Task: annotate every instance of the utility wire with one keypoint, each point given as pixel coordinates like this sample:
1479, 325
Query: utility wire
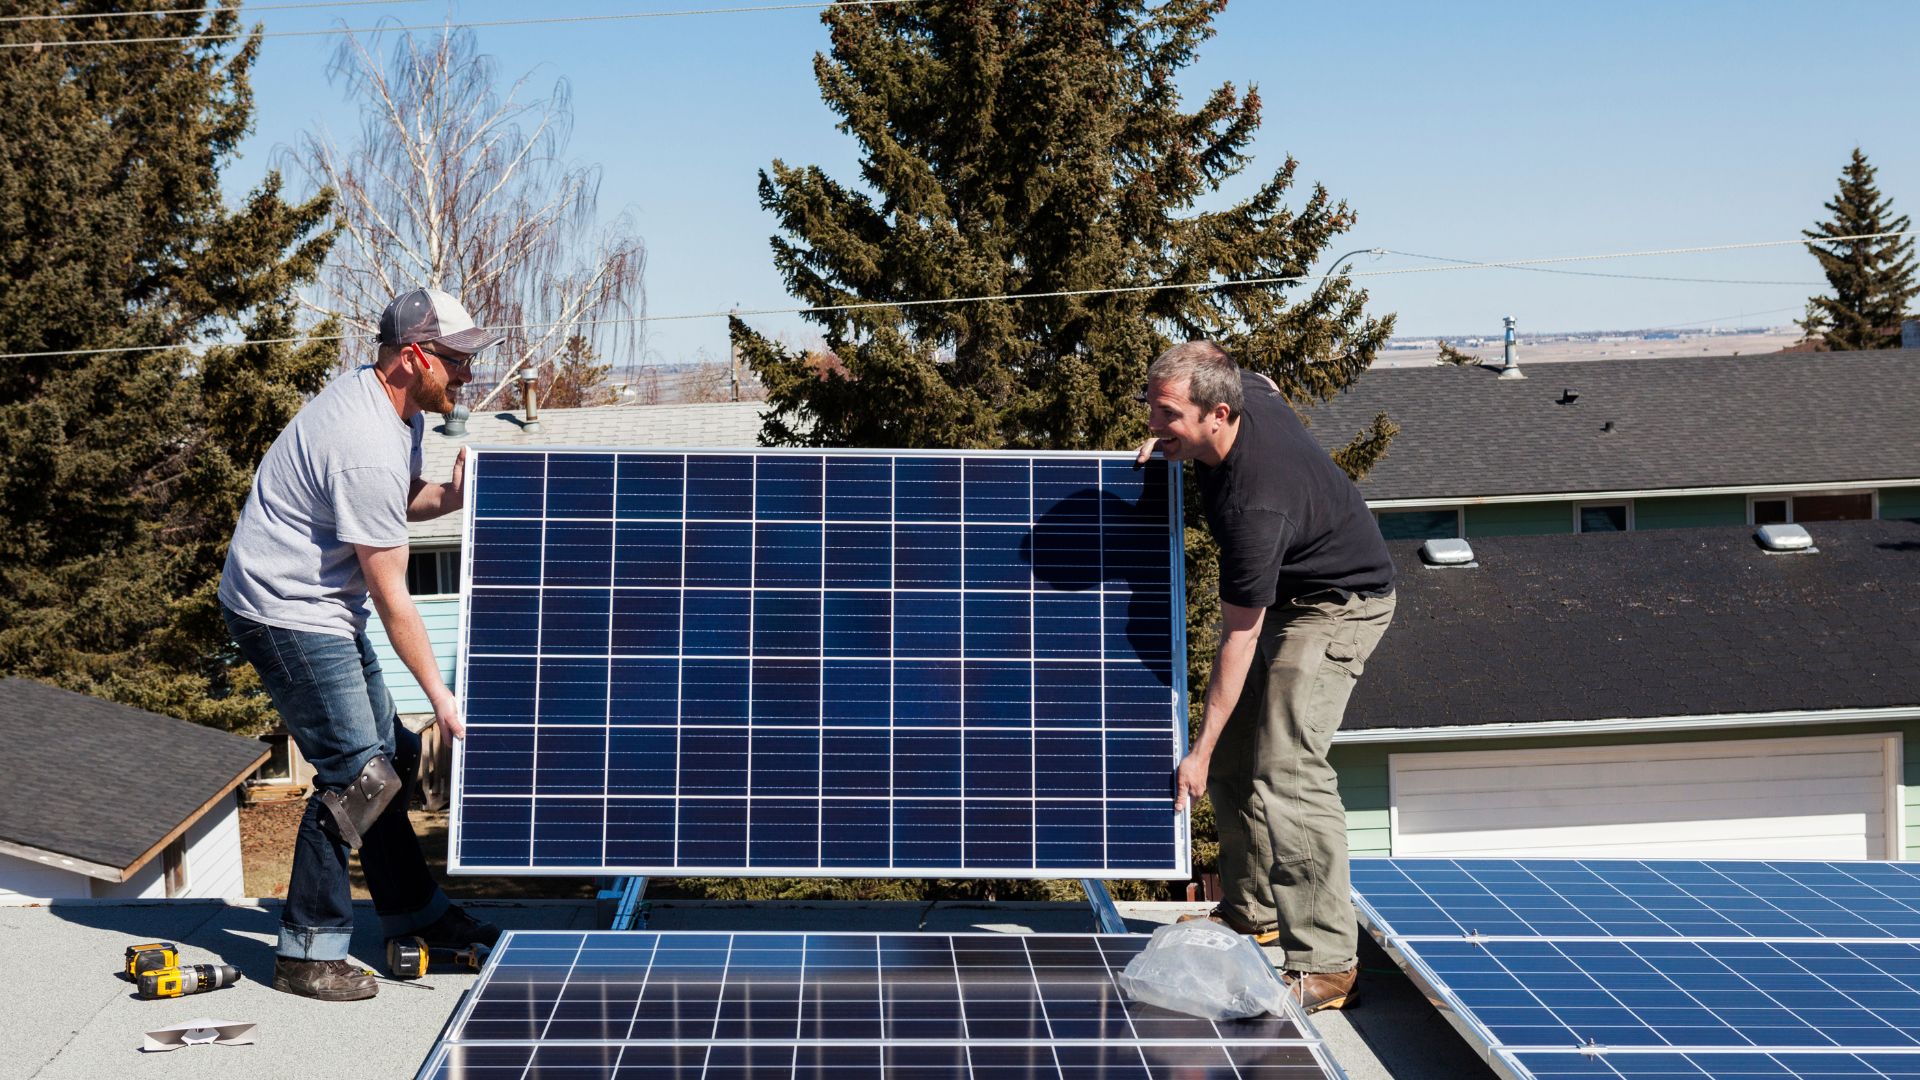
551, 20
72, 15
1599, 274
1196, 286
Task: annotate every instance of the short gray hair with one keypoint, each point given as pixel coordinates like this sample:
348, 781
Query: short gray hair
1212, 376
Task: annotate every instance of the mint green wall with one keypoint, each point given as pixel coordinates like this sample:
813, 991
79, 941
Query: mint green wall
1363, 769
442, 617
1900, 502
1520, 519
1689, 511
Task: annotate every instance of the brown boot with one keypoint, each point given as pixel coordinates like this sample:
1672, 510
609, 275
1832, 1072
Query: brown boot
326, 980
1316, 990
1219, 915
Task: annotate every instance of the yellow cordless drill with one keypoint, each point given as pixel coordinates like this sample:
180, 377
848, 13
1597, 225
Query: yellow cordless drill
408, 957
175, 982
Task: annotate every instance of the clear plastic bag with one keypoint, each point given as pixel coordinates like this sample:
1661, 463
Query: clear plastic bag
1203, 969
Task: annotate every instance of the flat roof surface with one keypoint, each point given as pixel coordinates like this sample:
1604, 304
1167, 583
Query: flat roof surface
70, 1015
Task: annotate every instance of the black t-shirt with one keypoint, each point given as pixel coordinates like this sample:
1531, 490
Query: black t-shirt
1288, 521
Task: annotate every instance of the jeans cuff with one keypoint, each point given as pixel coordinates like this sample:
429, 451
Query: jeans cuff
313, 942
394, 926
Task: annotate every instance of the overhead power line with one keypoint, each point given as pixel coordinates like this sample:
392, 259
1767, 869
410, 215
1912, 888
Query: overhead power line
1623, 277
70, 16
626, 16
1195, 286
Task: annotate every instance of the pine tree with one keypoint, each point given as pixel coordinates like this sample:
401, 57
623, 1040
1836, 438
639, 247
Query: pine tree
1872, 280
1040, 147
121, 473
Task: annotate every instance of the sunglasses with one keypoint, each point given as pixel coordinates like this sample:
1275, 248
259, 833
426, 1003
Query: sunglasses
463, 363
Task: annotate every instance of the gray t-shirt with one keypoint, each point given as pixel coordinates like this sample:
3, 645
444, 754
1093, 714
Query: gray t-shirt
339, 475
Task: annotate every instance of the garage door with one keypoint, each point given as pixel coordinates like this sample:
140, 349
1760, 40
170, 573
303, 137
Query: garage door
1829, 797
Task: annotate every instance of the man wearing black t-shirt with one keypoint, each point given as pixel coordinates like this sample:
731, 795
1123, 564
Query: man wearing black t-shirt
1306, 591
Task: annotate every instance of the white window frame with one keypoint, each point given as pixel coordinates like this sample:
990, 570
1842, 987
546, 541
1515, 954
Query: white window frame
1459, 516
1628, 503
1872, 494
441, 570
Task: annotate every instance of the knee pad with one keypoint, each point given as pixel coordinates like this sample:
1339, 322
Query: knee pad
358, 805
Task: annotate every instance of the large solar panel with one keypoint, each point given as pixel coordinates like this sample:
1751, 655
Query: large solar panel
1671, 968
807, 663
1626, 897
841, 1006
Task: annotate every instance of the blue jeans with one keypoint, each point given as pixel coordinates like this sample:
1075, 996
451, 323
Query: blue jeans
329, 693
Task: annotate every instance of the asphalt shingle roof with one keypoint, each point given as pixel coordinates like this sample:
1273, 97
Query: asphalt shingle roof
728, 424
105, 782
1682, 622
1722, 421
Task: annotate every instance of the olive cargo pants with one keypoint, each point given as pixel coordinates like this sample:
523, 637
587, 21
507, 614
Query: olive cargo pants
1276, 801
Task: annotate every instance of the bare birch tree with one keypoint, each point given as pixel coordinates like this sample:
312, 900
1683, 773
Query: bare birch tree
454, 185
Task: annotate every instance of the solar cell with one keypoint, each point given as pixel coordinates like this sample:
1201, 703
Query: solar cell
907, 664
643, 1004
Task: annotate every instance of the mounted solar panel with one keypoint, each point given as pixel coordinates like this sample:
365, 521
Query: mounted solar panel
821, 663
848, 1006
1562, 968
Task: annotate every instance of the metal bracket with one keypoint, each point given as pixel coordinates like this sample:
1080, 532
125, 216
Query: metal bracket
619, 904
1106, 917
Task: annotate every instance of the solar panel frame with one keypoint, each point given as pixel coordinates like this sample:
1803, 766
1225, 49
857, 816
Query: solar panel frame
578, 986
926, 810
1566, 908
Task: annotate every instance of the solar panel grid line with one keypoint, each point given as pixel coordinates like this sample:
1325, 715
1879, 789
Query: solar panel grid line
559, 795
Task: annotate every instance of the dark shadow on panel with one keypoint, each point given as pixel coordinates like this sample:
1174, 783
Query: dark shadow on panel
1142, 569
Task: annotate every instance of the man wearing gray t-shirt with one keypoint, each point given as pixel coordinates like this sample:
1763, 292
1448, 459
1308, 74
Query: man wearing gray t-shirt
323, 531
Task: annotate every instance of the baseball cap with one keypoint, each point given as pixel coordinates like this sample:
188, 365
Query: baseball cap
431, 316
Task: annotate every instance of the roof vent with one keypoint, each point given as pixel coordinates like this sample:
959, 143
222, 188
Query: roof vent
456, 424
1785, 539
1568, 396
1447, 553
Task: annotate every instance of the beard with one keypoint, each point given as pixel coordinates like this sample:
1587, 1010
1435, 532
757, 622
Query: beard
432, 395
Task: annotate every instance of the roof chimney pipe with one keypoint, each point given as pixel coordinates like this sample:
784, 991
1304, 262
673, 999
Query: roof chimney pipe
1511, 369
530, 392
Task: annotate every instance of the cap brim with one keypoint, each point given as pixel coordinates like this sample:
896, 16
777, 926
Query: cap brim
472, 340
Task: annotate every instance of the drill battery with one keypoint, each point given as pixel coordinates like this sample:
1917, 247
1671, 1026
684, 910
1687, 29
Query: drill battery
151, 956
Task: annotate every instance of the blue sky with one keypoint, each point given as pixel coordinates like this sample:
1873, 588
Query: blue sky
1466, 130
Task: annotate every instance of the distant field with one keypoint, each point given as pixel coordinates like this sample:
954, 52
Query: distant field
1547, 352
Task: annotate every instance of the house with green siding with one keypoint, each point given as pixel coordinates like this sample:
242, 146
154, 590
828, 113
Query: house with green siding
1638, 443
1652, 693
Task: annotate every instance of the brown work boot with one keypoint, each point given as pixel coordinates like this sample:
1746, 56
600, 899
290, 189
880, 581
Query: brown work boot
324, 980
1316, 990
1219, 915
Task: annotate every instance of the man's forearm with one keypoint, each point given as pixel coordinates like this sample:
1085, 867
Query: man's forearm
434, 500
408, 635
1230, 667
